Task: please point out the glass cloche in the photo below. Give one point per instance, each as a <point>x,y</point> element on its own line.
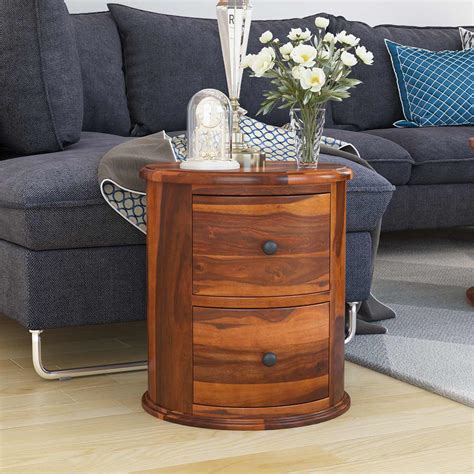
<point>209,132</point>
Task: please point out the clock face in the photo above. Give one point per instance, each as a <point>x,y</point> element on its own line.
<point>210,112</point>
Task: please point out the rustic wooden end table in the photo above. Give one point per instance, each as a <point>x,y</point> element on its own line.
<point>246,296</point>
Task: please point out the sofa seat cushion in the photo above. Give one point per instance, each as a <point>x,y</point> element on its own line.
<point>53,201</point>
<point>387,157</point>
<point>442,154</point>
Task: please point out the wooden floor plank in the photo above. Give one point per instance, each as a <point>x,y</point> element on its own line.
<point>450,460</point>
<point>28,417</point>
<point>382,451</point>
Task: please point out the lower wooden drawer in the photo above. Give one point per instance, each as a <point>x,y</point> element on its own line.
<point>260,357</point>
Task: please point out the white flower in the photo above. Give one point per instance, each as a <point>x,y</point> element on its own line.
<point>321,22</point>
<point>263,62</point>
<point>266,37</point>
<point>342,34</point>
<point>349,40</point>
<point>304,54</point>
<point>329,38</point>
<point>306,35</point>
<point>297,34</point>
<point>268,50</point>
<point>247,61</point>
<point>348,59</point>
<point>365,56</point>
<point>297,71</point>
<point>313,79</point>
<point>286,50</point>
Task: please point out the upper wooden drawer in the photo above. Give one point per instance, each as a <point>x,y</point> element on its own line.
<point>229,253</point>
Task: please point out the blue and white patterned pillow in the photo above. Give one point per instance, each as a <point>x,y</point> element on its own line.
<point>278,143</point>
<point>436,87</point>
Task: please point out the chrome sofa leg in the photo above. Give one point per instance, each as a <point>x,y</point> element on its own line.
<point>352,326</point>
<point>78,371</point>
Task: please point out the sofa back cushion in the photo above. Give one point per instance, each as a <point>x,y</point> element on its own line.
<point>100,54</point>
<point>170,58</point>
<point>376,102</point>
<point>40,77</point>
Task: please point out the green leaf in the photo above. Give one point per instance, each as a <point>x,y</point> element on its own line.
<point>349,82</point>
<point>340,94</point>
<point>286,105</point>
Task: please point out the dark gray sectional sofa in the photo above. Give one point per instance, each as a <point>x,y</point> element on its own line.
<point>67,259</point>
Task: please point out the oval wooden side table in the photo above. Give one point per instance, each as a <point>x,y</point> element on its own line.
<point>246,282</point>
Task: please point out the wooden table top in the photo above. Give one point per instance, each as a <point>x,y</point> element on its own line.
<point>273,173</point>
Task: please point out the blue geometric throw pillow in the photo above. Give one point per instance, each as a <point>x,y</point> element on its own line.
<point>436,87</point>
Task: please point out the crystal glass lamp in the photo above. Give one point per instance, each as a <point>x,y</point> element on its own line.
<point>234,18</point>
<point>209,129</point>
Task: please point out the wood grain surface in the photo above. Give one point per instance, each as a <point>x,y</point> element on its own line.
<point>229,233</point>
<point>282,410</point>
<point>260,301</point>
<point>169,293</point>
<point>229,346</point>
<point>252,422</point>
<point>274,174</point>
<point>338,292</point>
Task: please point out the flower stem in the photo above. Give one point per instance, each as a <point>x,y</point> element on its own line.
<point>311,122</point>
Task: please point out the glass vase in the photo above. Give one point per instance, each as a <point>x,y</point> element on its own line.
<point>307,123</point>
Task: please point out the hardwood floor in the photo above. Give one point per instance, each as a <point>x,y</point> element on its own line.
<point>96,424</point>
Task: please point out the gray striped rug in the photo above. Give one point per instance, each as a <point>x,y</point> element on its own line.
<point>423,276</point>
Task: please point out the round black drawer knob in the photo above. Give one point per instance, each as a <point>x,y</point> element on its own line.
<point>270,247</point>
<point>269,359</point>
